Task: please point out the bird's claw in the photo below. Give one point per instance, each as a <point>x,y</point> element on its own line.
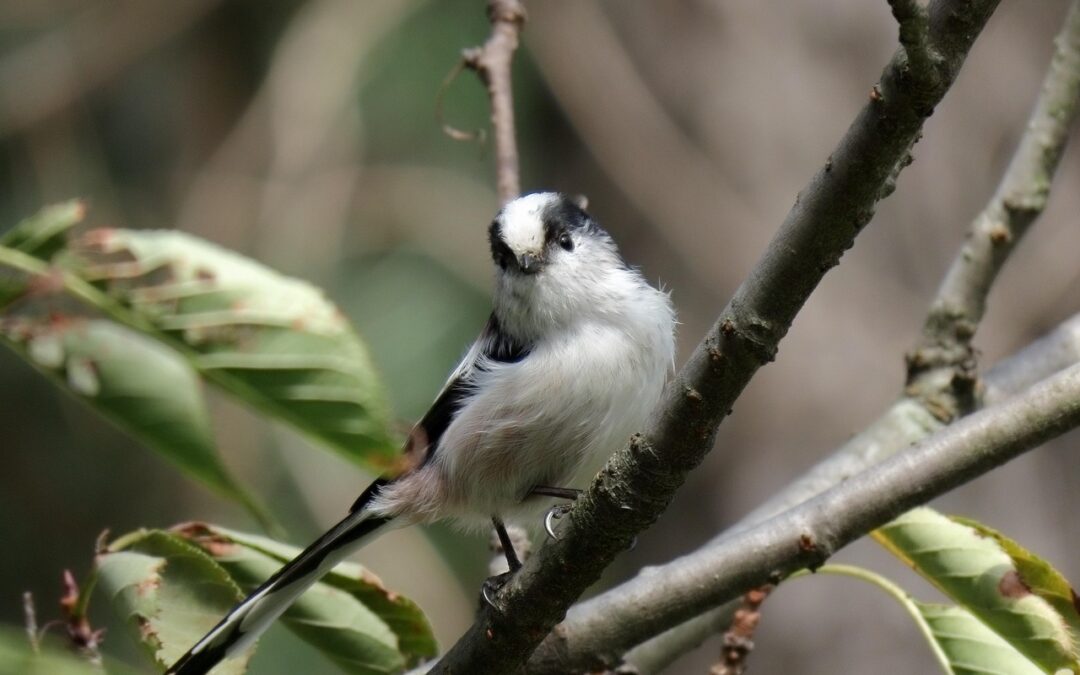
<point>491,586</point>
<point>555,513</point>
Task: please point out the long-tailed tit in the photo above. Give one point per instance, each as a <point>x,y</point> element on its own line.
<point>573,358</point>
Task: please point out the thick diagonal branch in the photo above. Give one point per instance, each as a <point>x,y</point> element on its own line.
<point>639,481</point>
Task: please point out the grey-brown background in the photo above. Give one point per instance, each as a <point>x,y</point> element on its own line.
<point>304,134</point>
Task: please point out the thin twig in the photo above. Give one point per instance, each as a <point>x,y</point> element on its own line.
<point>941,368</point>
<point>639,481</point>
<point>83,637</point>
<point>30,621</point>
<point>492,63</point>
<point>479,135</point>
<point>914,23</point>
<point>738,639</point>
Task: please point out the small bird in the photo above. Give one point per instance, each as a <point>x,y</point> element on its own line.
<point>572,360</point>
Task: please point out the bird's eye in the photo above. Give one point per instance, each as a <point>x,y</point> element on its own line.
<point>566,241</point>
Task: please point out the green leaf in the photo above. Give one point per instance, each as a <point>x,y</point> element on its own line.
<point>139,384</point>
<point>272,340</point>
<point>40,235</point>
<point>169,591</point>
<point>349,615</point>
<point>1038,576</point>
<point>972,567</point>
<point>969,646</point>
<point>17,657</point>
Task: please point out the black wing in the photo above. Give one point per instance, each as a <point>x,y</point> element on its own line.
<point>492,345</point>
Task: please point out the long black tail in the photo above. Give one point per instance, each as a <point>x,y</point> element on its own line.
<point>253,616</point>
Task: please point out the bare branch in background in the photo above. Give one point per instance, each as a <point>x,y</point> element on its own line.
<point>738,640</point>
<point>30,621</point>
<point>583,61</point>
<point>941,369</point>
<point>639,481</point>
<point>54,71</point>
<point>492,63</point>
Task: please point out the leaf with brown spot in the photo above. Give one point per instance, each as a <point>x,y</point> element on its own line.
<point>1038,576</point>
<point>169,591</point>
<point>272,341</point>
<point>1012,586</point>
<point>1015,594</point>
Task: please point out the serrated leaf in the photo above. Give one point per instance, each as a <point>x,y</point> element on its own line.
<point>349,615</point>
<point>272,340</point>
<point>170,592</point>
<point>969,647</point>
<point>143,387</point>
<point>17,657</point>
<point>975,571</point>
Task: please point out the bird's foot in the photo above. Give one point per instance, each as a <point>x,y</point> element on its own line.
<point>491,586</point>
<point>555,513</point>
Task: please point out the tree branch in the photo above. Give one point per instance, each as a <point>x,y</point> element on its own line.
<point>491,62</point>
<point>903,424</point>
<point>808,534</point>
<point>914,23</point>
<point>945,389</point>
<point>638,482</point>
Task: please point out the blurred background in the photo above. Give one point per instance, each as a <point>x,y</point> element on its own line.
<point>305,134</point>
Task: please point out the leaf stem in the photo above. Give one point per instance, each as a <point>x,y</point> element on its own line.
<point>896,592</point>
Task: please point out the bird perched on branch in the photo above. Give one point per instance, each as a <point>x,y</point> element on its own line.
<point>572,360</point>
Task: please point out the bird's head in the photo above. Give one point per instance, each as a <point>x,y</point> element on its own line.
<point>553,262</point>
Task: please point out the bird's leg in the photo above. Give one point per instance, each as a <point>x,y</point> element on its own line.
<point>507,544</point>
<point>559,510</point>
<point>557,492</point>
<point>493,584</point>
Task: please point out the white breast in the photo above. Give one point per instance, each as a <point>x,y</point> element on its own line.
<point>554,417</point>
<point>551,418</point>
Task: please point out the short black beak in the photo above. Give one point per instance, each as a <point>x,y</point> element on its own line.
<point>529,263</point>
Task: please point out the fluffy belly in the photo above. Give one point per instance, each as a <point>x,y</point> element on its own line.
<point>549,420</point>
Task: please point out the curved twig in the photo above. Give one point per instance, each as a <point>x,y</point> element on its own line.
<point>492,63</point>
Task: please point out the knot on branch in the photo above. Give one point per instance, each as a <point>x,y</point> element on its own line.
<point>759,336</point>
<point>942,373</point>
<point>920,71</point>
